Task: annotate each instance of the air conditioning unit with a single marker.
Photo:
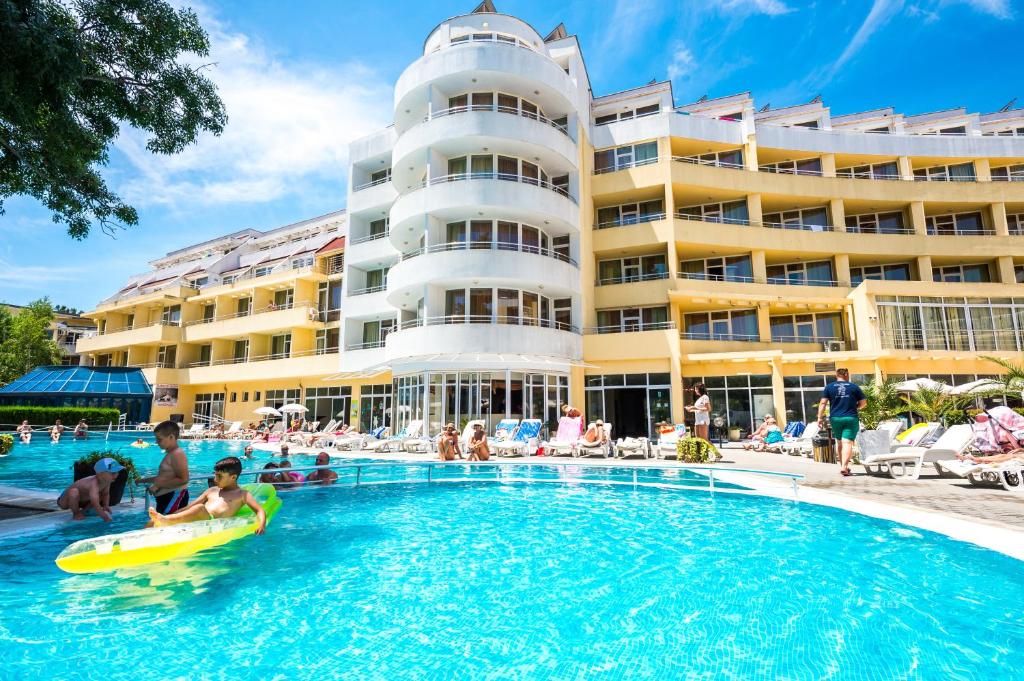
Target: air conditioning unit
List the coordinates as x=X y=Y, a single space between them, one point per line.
x=835 y=346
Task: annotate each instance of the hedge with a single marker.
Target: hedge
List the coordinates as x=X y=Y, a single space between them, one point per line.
x=70 y=416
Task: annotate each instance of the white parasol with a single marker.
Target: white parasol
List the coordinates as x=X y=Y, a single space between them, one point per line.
x=293 y=408
x=918 y=383
x=267 y=411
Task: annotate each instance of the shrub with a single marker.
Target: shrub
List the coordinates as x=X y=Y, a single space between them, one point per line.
x=45 y=416
x=6 y=443
x=695 y=450
x=126 y=461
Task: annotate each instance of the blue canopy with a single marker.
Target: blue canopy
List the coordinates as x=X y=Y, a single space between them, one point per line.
x=121 y=381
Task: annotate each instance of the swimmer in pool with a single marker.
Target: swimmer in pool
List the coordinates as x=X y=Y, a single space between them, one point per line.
x=222 y=501
x=140 y=443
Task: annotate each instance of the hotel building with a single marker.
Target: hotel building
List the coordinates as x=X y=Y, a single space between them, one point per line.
x=513 y=242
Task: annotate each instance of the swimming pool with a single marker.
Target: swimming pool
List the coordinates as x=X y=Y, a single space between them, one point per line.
x=491 y=580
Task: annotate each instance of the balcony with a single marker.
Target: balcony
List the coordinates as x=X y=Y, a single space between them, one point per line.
x=624 y=342
x=256 y=276
x=631 y=278
x=263 y=367
x=371 y=248
x=461 y=334
x=271 y=319
x=630 y=221
x=160 y=333
x=372 y=196
x=365 y=302
x=498 y=195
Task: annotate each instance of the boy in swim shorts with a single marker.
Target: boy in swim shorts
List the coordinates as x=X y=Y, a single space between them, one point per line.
x=169 y=486
x=223 y=500
x=93 y=490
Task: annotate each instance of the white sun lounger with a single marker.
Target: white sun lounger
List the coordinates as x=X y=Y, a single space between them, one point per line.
x=196 y=431
x=667 y=444
x=803 y=443
x=632 y=446
x=396 y=442
x=1009 y=474
x=524 y=439
x=905 y=463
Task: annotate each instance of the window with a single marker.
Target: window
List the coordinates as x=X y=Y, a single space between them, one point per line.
x=209 y=312
x=1015 y=223
x=129 y=321
x=256 y=396
x=726 y=325
x=807 y=124
x=625 y=270
x=376 y=280
x=279 y=398
x=619 y=158
x=263 y=270
x=200 y=282
x=632 y=319
x=205 y=354
x=166 y=356
x=722 y=159
x=1008 y=132
x=327 y=341
x=283 y=299
x=304 y=261
x=240 y=351
x=730 y=268
x=958 y=273
x=811 y=219
x=629 y=114
x=104 y=360
x=245 y=395
x=873 y=171
x=481 y=305
x=807 y=328
x=630 y=213
x=807 y=166
x=379 y=228
x=243 y=307
x=210 y=405
x=375 y=332
x=732 y=212
x=234 y=397
x=957 y=223
x=1014 y=173
x=815 y=273
x=931 y=323
x=876 y=223
x=280 y=346
x=171 y=315
x=380 y=177
x=561 y=311
x=963 y=172
x=894 y=272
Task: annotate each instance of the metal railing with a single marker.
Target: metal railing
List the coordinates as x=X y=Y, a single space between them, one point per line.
x=257 y=272
x=136 y=327
x=515 y=111
x=631 y=220
x=493 y=175
x=799 y=226
x=367 y=290
x=372 y=183
x=293 y=354
x=848 y=174
x=310 y=305
x=1013 y=177
x=631 y=278
x=489 y=246
x=365 y=345
x=652 y=475
x=786 y=281
x=485 y=319
x=696 y=160
x=368 y=237
x=709 y=336
x=789 y=171
x=820 y=340
x=932 y=231
x=626 y=165
x=945 y=178
x=482 y=37
x=716 y=219
x=701 y=276
x=947 y=339
x=858 y=229
x=630 y=327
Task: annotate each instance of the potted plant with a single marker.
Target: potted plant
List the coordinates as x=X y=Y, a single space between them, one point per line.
x=6 y=444
x=85 y=467
x=695 y=450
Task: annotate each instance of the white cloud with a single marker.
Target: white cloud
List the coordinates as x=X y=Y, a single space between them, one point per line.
x=32 y=276
x=682 y=64
x=881 y=12
x=997 y=8
x=288 y=129
x=769 y=7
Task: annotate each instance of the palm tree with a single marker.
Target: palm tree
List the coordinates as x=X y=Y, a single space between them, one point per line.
x=1012 y=380
x=938 y=406
x=884 y=402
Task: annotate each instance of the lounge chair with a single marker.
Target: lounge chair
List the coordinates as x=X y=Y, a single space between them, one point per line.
x=523 y=441
x=584 y=448
x=196 y=431
x=355 y=441
x=1009 y=474
x=667 y=443
x=802 y=444
x=877 y=442
x=565 y=438
x=503 y=431
x=411 y=431
x=632 y=446
x=905 y=462
x=424 y=444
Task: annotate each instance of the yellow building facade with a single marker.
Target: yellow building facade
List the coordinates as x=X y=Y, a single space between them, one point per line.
x=747 y=248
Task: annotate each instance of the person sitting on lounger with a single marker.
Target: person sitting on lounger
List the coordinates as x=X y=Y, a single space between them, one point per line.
x=322 y=476
x=222 y=501
x=478 y=450
x=596 y=433
x=768 y=430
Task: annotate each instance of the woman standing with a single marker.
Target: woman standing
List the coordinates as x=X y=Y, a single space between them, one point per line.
x=701 y=412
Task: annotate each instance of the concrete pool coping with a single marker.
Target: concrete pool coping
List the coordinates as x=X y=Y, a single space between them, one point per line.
x=993 y=535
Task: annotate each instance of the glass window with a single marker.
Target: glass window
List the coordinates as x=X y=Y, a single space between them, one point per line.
x=508 y=306
x=455 y=303
x=481 y=305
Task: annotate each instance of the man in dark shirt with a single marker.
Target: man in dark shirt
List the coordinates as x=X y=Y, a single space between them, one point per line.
x=844 y=400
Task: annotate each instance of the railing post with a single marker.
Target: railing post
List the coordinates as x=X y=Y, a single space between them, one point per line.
x=430 y=470
x=711 y=480
x=794 y=488
x=634 y=478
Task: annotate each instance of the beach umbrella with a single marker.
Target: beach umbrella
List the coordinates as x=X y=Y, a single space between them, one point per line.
x=918 y=383
x=982 y=385
x=293 y=409
x=267 y=411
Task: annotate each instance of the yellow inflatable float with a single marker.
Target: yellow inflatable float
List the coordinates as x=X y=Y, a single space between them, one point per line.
x=158 y=544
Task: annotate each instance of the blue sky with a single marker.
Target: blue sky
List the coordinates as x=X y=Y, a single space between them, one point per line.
x=301 y=79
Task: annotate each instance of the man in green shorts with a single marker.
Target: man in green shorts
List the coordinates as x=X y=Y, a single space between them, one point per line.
x=844 y=400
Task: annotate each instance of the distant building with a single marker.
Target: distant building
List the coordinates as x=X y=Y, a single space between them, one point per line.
x=65 y=330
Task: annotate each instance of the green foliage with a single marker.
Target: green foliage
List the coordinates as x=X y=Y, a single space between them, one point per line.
x=126 y=461
x=64 y=309
x=72 y=72
x=70 y=416
x=974 y=412
x=24 y=343
x=884 y=402
x=6 y=444
x=1012 y=378
x=935 y=405
x=695 y=450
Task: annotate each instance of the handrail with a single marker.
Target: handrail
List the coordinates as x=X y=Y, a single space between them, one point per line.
x=946 y=178
x=250 y=273
x=489 y=246
x=806 y=339
x=700 y=276
x=856 y=229
x=443 y=320
x=516 y=111
x=250 y=313
x=785 y=281
x=368 y=237
x=962 y=232
x=365 y=346
x=629 y=327
x=367 y=290
x=294 y=354
x=372 y=183
x=697 y=160
x=571 y=473
x=494 y=175
x=632 y=278
x=136 y=327
x=627 y=222
x=770 y=168
x=626 y=166
x=710 y=336
x=717 y=219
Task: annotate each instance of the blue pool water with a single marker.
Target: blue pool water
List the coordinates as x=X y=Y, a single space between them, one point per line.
x=558 y=581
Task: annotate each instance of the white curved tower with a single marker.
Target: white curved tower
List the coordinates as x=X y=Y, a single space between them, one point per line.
x=462 y=273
